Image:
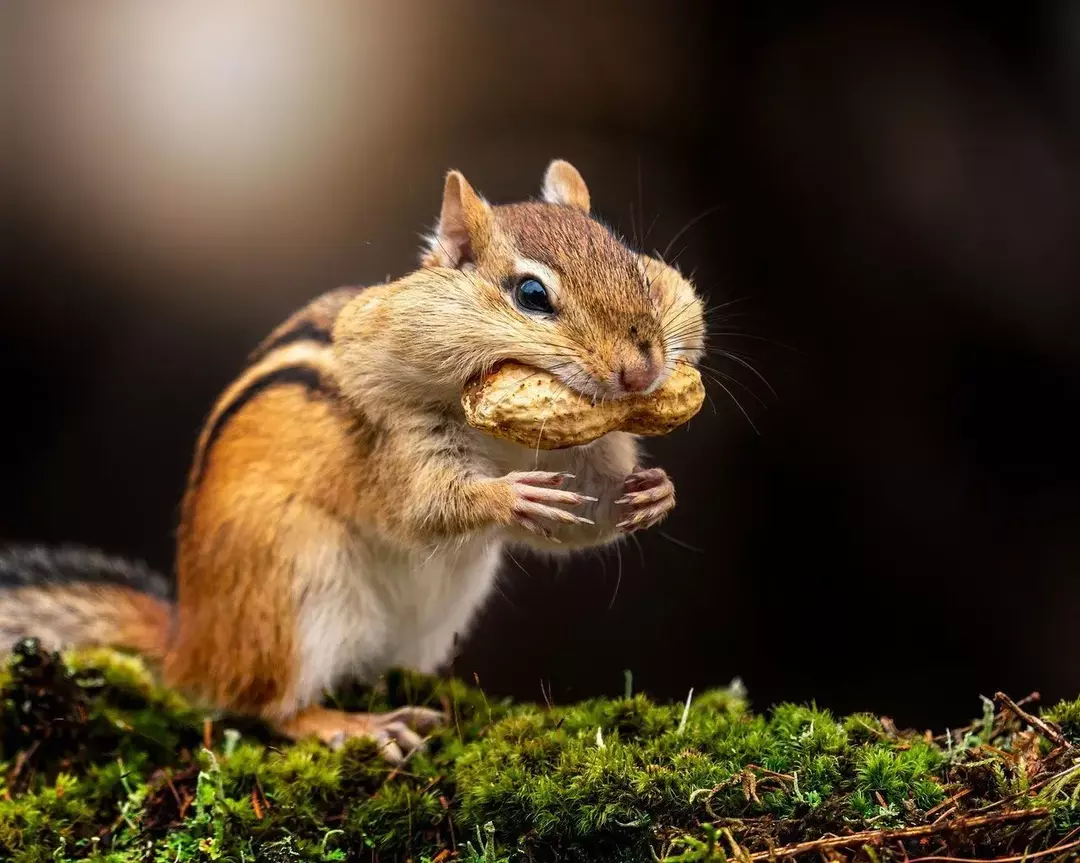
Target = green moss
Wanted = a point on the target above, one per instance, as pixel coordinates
(98, 762)
(1067, 715)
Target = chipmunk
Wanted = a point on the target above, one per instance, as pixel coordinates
(340, 517)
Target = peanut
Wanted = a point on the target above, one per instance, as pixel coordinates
(533, 408)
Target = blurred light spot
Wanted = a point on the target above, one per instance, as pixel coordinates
(196, 135)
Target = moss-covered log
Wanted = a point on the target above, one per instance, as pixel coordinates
(98, 762)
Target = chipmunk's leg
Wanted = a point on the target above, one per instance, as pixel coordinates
(269, 620)
(649, 497)
(342, 624)
(397, 733)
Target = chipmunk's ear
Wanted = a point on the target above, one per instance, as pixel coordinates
(564, 185)
(465, 224)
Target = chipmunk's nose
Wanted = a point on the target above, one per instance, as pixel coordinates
(638, 375)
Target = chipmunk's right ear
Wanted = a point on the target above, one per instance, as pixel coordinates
(563, 184)
(465, 225)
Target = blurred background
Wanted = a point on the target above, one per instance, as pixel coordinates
(886, 195)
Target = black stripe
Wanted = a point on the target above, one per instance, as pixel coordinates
(304, 331)
(28, 566)
(305, 376)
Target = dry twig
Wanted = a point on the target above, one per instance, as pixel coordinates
(1016, 858)
(880, 837)
(1041, 725)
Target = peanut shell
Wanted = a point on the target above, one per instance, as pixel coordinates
(530, 407)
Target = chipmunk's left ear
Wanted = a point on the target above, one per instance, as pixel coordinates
(564, 185)
(464, 229)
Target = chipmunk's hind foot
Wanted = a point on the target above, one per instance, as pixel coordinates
(397, 733)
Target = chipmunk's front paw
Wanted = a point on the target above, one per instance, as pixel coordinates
(534, 498)
(650, 496)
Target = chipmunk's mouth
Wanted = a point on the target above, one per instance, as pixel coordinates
(610, 387)
(610, 383)
(578, 380)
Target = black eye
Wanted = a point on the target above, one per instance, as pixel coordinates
(533, 296)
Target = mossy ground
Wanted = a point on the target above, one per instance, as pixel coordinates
(99, 763)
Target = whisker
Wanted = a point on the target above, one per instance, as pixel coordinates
(618, 576)
(517, 563)
(639, 241)
(738, 404)
(754, 336)
(539, 437)
(652, 225)
(641, 551)
(680, 543)
(689, 225)
(735, 358)
(674, 258)
(737, 383)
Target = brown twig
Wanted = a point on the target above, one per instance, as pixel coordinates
(1017, 858)
(772, 773)
(1042, 783)
(20, 762)
(941, 738)
(262, 793)
(879, 837)
(1041, 725)
(185, 805)
(256, 805)
(172, 788)
(946, 803)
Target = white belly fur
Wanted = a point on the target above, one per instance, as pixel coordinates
(367, 609)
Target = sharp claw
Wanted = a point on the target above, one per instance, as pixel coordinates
(549, 495)
(421, 718)
(405, 737)
(647, 496)
(650, 474)
(538, 477)
(533, 527)
(534, 511)
(390, 750)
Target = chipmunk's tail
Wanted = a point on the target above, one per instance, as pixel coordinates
(73, 597)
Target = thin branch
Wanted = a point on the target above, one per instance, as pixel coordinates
(946, 803)
(1042, 783)
(959, 733)
(1043, 727)
(879, 837)
(1016, 858)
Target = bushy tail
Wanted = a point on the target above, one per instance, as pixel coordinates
(71, 597)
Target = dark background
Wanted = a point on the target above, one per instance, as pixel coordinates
(890, 195)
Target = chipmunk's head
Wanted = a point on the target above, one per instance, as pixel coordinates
(554, 288)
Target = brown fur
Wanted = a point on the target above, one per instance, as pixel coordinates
(100, 613)
(285, 454)
(314, 321)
